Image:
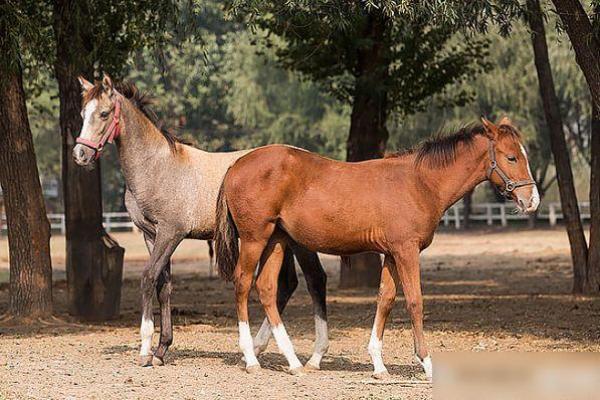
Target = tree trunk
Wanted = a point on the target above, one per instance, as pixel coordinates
(94, 261)
(368, 133)
(592, 284)
(586, 43)
(28, 228)
(558, 144)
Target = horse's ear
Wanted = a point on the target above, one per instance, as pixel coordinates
(505, 121)
(491, 130)
(85, 84)
(107, 85)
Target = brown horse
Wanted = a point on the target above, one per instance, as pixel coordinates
(391, 206)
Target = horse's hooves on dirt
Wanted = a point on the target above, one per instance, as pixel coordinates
(311, 367)
(146, 361)
(381, 375)
(253, 369)
(157, 361)
(298, 371)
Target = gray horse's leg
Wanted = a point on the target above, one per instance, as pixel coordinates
(163, 294)
(316, 283)
(164, 245)
(286, 285)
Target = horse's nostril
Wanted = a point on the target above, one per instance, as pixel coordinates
(81, 153)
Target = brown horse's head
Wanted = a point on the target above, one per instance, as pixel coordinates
(98, 112)
(509, 167)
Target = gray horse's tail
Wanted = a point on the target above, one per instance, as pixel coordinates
(226, 241)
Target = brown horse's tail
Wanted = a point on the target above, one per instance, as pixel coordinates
(226, 241)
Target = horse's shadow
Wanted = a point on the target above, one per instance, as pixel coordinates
(276, 362)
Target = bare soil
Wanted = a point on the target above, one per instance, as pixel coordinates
(484, 291)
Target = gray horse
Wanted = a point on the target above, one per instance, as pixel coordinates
(171, 195)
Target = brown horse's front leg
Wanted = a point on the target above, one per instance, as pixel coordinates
(407, 265)
(385, 302)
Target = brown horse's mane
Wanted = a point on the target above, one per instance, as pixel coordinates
(441, 149)
(143, 102)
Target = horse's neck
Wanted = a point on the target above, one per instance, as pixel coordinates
(142, 150)
(450, 183)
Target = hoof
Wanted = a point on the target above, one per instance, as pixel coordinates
(381, 375)
(312, 367)
(146, 361)
(157, 361)
(298, 371)
(253, 369)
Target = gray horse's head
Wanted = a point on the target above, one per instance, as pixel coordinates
(100, 112)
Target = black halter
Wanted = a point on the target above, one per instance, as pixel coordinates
(509, 185)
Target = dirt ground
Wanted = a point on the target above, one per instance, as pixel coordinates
(484, 291)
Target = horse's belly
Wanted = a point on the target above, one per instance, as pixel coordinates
(332, 239)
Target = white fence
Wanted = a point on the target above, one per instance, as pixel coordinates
(112, 220)
(491, 213)
(502, 213)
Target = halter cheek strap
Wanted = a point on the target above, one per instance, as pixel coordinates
(509, 185)
(110, 134)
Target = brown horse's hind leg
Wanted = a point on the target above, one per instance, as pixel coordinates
(266, 284)
(287, 284)
(407, 265)
(385, 302)
(316, 283)
(250, 252)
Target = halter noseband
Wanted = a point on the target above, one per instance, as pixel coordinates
(509, 185)
(111, 133)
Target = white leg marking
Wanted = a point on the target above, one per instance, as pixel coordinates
(376, 351)
(261, 340)
(285, 346)
(427, 366)
(321, 342)
(246, 344)
(146, 331)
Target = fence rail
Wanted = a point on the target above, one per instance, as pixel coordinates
(490, 213)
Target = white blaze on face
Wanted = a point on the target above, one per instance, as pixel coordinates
(535, 194)
(89, 109)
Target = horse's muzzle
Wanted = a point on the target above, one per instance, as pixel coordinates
(83, 155)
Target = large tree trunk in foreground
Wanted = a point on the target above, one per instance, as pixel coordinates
(586, 43)
(368, 133)
(28, 228)
(558, 144)
(94, 261)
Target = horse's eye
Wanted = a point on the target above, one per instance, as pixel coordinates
(512, 158)
(104, 114)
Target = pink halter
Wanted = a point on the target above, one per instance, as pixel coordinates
(111, 133)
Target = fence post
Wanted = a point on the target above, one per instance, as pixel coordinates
(107, 222)
(456, 217)
(552, 214)
(503, 214)
(489, 214)
(63, 225)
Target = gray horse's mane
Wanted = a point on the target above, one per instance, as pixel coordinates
(143, 102)
(440, 150)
